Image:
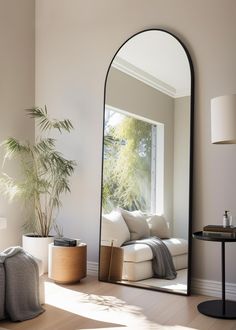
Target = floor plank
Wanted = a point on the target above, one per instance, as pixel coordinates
(97, 305)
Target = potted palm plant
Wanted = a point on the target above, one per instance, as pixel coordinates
(45, 177)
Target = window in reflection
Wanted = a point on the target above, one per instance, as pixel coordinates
(132, 173)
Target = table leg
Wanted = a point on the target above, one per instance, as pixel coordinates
(223, 275)
(223, 309)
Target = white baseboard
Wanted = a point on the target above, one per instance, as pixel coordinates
(199, 286)
(92, 268)
(213, 288)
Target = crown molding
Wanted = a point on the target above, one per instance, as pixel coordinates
(146, 78)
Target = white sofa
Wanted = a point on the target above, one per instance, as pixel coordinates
(120, 226)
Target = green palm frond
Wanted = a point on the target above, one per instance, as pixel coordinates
(45, 172)
(14, 147)
(44, 145)
(45, 123)
(109, 140)
(8, 187)
(58, 164)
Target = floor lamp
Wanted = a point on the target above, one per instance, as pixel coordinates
(223, 131)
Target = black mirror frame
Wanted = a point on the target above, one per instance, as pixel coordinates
(190, 167)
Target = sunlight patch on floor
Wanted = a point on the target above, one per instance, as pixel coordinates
(148, 326)
(177, 285)
(100, 308)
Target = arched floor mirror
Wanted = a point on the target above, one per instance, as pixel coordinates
(145, 234)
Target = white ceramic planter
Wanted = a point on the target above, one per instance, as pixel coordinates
(38, 247)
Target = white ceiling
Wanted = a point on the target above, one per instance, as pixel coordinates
(158, 56)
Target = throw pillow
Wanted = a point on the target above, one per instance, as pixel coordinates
(136, 223)
(114, 228)
(158, 226)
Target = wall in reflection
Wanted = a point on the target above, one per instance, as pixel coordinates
(134, 97)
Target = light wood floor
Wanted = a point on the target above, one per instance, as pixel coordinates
(97, 305)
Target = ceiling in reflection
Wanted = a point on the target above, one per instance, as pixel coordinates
(144, 56)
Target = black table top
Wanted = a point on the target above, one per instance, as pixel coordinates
(199, 235)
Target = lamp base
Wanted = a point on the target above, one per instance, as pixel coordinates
(214, 308)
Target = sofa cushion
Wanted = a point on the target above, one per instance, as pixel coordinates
(137, 271)
(158, 226)
(176, 246)
(136, 223)
(181, 261)
(114, 228)
(142, 252)
(137, 252)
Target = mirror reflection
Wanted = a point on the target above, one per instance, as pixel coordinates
(146, 165)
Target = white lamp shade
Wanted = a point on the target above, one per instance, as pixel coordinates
(223, 119)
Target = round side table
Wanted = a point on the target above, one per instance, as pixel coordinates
(223, 309)
(67, 264)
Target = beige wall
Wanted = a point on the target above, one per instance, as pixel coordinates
(181, 166)
(76, 40)
(17, 85)
(131, 95)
